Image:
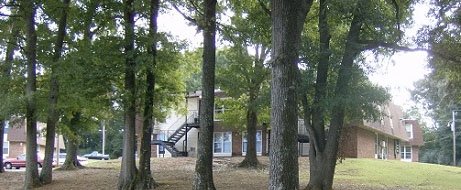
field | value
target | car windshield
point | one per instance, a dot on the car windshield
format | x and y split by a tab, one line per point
21	157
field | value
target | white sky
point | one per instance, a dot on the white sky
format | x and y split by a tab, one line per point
404	68
398	73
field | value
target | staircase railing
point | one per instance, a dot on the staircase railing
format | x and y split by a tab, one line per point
178	134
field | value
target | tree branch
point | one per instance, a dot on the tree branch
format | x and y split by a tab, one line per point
264	7
196	7
370	44
190	19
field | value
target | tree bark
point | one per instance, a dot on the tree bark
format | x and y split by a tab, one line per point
31	177
323	161
287	23
46	174
71	162
128	165
72	142
251	161
144	179
203	177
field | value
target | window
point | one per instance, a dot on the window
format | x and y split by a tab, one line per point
409	130
218	111
161	136
6	148
222	143
405	153
259	142
6	128
381	147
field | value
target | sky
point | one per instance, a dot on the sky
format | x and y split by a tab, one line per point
403	69
397	73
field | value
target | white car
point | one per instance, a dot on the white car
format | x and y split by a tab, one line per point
62	158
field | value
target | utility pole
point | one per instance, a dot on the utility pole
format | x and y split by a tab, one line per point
103	123
453	129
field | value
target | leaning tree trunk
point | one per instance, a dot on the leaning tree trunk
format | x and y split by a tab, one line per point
46	174
287	23
203	177
323	163
128	165
31	177
251	161
144	179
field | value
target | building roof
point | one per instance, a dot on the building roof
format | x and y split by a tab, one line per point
198	93
391	122
17	133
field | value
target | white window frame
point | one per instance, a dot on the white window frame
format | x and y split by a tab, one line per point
6	129
6	153
221	143
404	149
163	136
244	140
409	129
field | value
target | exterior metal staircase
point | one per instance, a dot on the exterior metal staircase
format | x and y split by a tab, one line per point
173	139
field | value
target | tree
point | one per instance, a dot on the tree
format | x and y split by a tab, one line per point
242	76
341	93
53	115
128	166
287	23
439	92
203	176
5	80
144	178
28	8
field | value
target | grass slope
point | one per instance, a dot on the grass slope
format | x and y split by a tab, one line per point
398	175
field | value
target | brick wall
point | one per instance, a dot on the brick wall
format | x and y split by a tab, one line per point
16	148
365	143
348	143
153	148
415	153
236	144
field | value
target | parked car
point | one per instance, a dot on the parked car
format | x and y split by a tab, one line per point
62	158
97	156
19	162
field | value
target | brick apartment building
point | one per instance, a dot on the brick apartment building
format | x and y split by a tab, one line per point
393	137
15	139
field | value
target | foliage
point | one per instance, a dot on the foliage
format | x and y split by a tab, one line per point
439	92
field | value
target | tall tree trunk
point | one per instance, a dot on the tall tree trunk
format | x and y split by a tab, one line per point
31	176
251	161
46	174
128	167
203	177
323	162
287	23
144	179
71	162
5	81
318	110
72	142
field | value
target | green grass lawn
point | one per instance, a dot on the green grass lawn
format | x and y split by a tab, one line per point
398	174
